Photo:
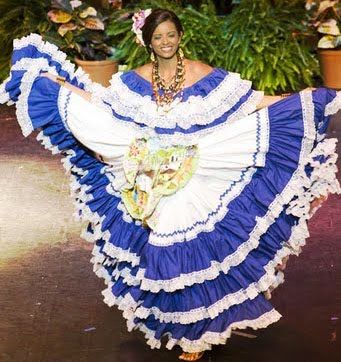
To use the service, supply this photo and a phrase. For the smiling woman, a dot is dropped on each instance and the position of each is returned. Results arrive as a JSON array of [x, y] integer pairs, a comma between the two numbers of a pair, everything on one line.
[[195, 200]]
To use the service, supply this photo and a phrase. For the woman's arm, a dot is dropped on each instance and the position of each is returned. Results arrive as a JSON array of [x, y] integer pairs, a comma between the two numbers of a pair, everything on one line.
[[268, 100], [84, 94]]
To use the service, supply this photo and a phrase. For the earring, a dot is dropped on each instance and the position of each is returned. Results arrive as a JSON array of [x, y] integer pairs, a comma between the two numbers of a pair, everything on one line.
[[152, 56]]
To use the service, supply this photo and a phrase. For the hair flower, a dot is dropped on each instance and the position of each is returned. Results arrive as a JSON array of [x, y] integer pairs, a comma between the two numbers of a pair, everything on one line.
[[139, 19]]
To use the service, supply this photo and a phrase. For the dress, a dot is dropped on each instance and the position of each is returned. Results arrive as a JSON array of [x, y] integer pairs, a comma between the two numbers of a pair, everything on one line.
[[190, 209]]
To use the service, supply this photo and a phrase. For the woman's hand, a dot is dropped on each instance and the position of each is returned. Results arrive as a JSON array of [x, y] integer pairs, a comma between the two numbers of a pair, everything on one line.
[[268, 100], [80, 92], [50, 76]]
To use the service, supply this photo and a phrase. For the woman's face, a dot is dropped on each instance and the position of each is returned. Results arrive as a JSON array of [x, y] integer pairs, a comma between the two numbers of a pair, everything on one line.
[[165, 40]]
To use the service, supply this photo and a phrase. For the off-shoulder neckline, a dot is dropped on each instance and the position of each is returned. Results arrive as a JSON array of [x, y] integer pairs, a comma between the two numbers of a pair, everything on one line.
[[205, 77]]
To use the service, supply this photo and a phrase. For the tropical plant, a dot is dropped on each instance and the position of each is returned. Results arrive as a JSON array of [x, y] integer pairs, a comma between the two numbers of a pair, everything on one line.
[[79, 29], [264, 44], [325, 19], [203, 36], [19, 18]]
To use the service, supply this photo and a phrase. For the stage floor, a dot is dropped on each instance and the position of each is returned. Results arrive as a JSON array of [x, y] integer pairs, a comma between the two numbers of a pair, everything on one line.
[[51, 307]]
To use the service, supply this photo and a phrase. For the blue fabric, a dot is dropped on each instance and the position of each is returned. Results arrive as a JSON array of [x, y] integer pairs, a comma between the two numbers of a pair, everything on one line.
[[286, 131], [202, 88], [164, 263], [249, 310]]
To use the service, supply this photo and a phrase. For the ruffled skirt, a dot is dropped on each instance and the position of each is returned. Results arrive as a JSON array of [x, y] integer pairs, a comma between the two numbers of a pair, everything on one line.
[[202, 270]]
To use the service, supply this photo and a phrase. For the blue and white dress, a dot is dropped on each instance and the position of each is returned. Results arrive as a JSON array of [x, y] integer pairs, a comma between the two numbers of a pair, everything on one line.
[[198, 265]]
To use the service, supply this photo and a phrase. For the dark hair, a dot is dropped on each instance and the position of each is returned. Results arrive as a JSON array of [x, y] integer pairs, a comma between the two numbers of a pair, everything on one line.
[[157, 17]]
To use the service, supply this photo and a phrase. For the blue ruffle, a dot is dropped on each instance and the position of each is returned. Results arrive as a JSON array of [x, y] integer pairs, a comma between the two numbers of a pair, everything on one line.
[[117, 236], [286, 130], [249, 310], [201, 88]]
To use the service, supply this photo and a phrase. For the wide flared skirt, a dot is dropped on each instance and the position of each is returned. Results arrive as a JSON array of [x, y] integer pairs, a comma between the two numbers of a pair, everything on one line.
[[202, 270]]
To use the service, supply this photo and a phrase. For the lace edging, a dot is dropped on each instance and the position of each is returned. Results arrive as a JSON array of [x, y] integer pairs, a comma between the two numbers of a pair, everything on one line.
[[208, 339], [83, 212], [199, 110], [268, 281], [334, 106], [321, 182], [230, 193], [214, 338], [262, 223]]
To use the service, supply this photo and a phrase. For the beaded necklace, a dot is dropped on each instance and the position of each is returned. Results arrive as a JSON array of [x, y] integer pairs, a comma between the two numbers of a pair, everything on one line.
[[164, 94]]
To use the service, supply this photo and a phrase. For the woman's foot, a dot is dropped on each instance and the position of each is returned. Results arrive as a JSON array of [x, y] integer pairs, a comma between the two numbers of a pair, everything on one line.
[[283, 265], [191, 356]]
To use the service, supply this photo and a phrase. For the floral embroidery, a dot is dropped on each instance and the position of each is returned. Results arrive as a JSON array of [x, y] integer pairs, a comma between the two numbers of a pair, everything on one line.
[[153, 171]]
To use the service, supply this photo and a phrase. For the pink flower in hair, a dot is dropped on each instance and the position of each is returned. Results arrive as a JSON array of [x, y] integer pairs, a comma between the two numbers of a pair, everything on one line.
[[139, 19]]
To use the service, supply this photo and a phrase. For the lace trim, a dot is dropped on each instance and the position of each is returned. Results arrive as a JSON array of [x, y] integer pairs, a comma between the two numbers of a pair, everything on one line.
[[208, 339], [55, 54], [4, 96], [83, 212], [63, 101], [268, 281], [334, 105], [196, 110], [213, 338], [262, 224], [321, 182], [34, 66], [47, 48], [207, 225]]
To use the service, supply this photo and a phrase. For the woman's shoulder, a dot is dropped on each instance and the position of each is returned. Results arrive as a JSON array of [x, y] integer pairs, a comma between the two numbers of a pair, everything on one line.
[[144, 71], [196, 70], [197, 67]]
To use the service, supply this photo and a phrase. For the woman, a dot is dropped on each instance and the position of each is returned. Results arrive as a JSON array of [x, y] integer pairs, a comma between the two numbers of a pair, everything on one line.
[[194, 199]]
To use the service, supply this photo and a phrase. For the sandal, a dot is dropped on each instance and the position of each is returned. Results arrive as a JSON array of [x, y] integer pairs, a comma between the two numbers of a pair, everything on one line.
[[191, 356]]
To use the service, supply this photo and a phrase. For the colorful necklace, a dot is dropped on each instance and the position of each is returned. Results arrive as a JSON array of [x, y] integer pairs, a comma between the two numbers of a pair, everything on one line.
[[164, 94]]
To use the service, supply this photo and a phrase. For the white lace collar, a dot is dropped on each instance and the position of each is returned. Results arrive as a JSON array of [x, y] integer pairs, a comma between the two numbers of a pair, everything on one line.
[[195, 111]]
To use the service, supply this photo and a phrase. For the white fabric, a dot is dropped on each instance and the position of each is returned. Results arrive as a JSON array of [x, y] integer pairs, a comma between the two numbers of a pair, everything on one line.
[[226, 162], [195, 110]]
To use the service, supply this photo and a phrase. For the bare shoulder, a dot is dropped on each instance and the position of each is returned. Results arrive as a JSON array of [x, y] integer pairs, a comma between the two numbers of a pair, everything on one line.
[[145, 71], [198, 68], [195, 70]]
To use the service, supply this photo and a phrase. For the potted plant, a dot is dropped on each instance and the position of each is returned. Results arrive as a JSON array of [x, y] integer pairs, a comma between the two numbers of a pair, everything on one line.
[[79, 30], [325, 23]]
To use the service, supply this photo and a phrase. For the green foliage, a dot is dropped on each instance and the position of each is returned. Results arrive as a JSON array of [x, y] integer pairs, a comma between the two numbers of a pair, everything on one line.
[[19, 18], [325, 23], [203, 36], [264, 45], [80, 31]]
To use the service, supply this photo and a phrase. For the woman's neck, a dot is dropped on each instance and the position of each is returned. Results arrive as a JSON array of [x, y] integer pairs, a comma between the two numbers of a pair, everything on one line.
[[167, 67]]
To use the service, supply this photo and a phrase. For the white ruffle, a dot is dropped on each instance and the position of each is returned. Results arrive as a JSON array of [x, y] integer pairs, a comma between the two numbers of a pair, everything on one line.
[[292, 189], [55, 54], [63, 96], [33, 67], [268, 281], [83, 212], [225, 167], [4, 95], [208, 338], [321, 182], [196, 110], [44, 47], [334, 106], [213, 338]]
